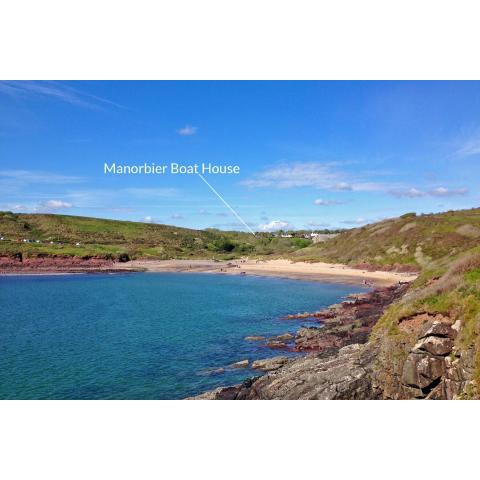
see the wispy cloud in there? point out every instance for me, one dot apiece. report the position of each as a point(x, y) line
point(34, 90)
point(469, 147)
point(325, 203)
point(435, 192)
point(357, 221)
point(326, 176)
point(187, 130)
point(409, 193)
point(42, 207)
point(314, 225)
point(176, 216)
point(55, 204)
point(446, 192)
point(33, 177)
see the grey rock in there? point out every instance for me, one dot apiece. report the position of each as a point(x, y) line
point(270, 364)
point(434, 345)
point(240, 364)
point(440, 329)
point(422, 370)
point(285, 337)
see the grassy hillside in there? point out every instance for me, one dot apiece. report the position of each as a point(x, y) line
point(408, 240)
point(59, 234)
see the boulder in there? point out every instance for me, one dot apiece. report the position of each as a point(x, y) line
point(422, 370)
point(440, 329)
point(270, 364)
point(434, 345)
point(276, 344)
point(254, 338)
point(240, 364)
point(285, 337)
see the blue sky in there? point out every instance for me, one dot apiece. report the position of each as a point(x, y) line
point(312, 154)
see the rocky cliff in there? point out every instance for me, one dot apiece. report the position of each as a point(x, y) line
point(417, 342)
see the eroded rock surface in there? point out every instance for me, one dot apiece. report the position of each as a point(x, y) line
point(346, 375)
point(270, 364)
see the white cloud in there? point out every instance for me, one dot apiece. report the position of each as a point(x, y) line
point(55, 204)
point(149, 219)
point(176, 216)
point(410, 193)
point(187, 130)
point(343, 186)
point(311, 174)
point(18, 208)
point(445, 192)
point(275, 225)
point(325, 203)
point(436, 192)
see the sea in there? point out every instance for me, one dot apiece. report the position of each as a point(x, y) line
point(143, 335)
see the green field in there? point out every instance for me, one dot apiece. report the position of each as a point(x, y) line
point(59, 234)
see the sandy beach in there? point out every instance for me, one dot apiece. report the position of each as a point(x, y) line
point(322, 272)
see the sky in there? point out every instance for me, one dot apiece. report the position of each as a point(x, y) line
point(312, 155)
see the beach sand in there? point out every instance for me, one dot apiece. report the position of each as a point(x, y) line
point(321, 272)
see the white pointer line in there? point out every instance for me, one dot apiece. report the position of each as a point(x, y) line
point(227, 205)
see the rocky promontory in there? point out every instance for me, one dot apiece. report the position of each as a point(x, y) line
point(337, 364)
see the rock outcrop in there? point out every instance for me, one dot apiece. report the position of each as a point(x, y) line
point(338, 364)
point(269, 364)
point(433, 368)
point(419, 356)
point(348, 322)
point(346, 375)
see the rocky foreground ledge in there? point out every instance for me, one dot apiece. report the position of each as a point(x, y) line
point(422, 356)
point(338, 363)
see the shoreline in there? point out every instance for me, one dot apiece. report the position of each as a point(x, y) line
point(334, 358)
point(315, 272)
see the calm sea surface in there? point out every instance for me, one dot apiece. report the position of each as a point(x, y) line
point(141, 336)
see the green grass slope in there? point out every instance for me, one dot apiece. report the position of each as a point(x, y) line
point(409, 240)
point(59, 234)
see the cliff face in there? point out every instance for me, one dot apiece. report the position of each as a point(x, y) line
point(429, 365)
point(428, 342)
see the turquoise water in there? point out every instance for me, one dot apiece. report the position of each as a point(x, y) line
point(140, 336)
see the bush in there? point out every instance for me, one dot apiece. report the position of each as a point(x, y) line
point(221, 245)
point(123, 258)
point(301, 242)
